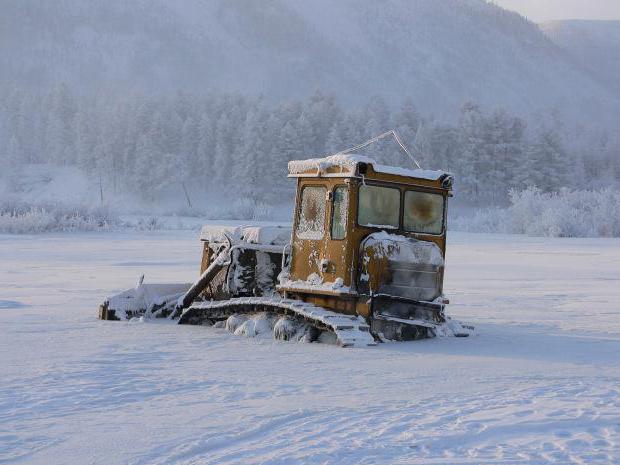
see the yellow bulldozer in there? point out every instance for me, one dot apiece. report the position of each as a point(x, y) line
point(362, 263)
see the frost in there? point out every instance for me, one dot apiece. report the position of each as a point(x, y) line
point(311, 223)
point(563, 214)
point(19, 217)
point(264, 271)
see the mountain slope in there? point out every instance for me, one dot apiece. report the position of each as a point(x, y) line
point(593, 44)
point(441, 53)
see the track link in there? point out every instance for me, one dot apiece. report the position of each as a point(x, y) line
point(350, 330)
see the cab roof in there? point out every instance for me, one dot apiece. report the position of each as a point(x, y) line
point(347, 165)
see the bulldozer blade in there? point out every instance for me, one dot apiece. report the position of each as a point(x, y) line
point(158, 300)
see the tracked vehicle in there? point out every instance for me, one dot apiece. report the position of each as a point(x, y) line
point(363, 262)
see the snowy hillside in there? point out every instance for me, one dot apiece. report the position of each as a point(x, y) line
point(593, 44)
point(194, 108)
point(438, 52)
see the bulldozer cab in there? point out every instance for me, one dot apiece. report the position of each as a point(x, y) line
point(350, 215)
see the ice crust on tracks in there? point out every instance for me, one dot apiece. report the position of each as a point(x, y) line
point(539, 383)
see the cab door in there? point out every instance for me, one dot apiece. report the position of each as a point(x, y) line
point(309, 232)
point(319, 252)
point(335, 252)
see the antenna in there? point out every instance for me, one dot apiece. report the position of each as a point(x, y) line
point(391, 132)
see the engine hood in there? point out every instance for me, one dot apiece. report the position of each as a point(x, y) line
point(400, 266)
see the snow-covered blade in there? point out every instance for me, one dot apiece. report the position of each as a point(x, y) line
point(142, 300)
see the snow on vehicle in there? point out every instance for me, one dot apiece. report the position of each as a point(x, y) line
point(363, 262)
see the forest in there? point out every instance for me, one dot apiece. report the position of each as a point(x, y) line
point(240, 145)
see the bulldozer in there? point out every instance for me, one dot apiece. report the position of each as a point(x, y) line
point(362, 263)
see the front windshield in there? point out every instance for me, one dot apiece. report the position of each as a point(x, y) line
point(424, 212)
point(379, 207)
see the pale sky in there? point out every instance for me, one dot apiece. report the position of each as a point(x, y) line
point(544, 10)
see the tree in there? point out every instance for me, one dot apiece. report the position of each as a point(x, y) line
point(60, 140)
point(188, 148)
point(471, 141)
point(206, 147)
point(12, 164)
point(548, 161)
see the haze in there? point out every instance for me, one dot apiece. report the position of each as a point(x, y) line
point(545, 10)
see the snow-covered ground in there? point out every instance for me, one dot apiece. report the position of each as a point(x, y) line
point(540, 383)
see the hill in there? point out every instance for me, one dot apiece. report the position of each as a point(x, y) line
point(438, 53)
point(595, 45)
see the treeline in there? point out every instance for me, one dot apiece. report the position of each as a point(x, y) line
point(240, 145)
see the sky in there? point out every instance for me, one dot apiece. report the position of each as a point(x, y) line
point(544, 10)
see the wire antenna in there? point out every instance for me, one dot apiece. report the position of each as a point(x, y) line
point(391, 132)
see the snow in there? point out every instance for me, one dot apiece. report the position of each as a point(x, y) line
point(274, 235)
point(144, 296)
point(350, 330)
point(347, 163)
point(539, 383)
point(218, 233)
point(64, 184)
point(314, 282)
point(49, 198)
point(268, 235)
point(404, 249)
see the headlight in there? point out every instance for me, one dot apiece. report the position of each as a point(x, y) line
point(447, 181)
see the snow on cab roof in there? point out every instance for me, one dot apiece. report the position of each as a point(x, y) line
point(348, 163)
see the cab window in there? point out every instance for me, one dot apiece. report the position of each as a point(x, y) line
point(340, 207)
point(379, 207)
point(311, 220)
point(424, 212)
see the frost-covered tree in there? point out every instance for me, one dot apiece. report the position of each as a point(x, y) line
point(548, 161)
point(235, 143)
point(471, 142)
point(188, 149)
point(12, 164)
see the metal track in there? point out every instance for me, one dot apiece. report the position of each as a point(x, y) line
point(350, 330)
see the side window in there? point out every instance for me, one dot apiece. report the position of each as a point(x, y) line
point(379, 207)
point(311, 221)
point(340, 206)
